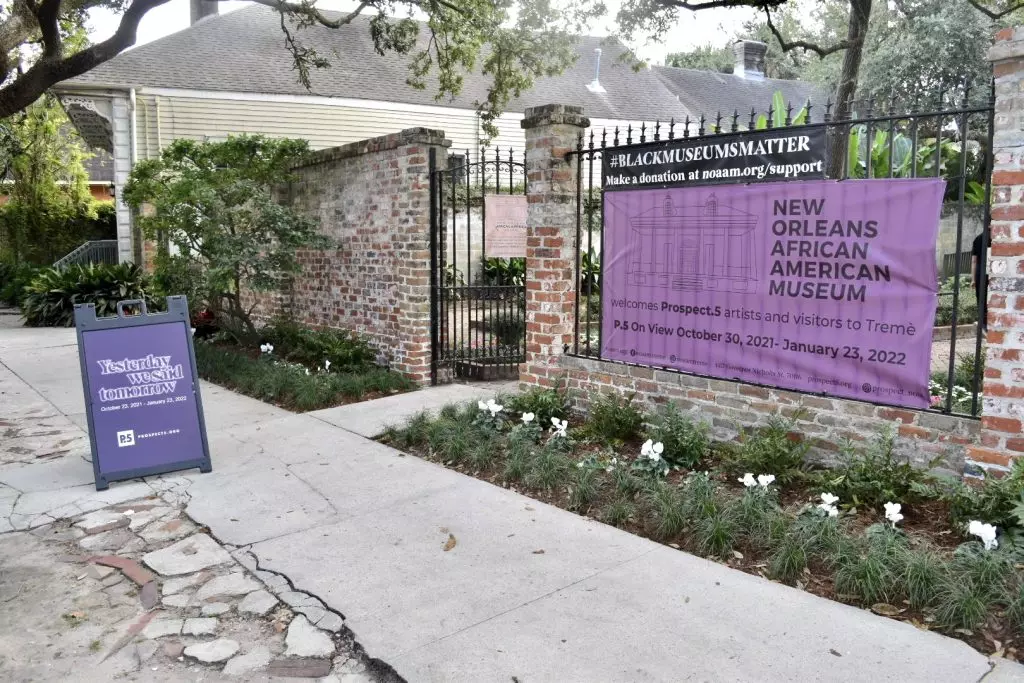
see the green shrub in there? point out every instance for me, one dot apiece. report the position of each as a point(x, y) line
point(548, 468)
point(998, 501)
point(967, 303)
point(289, 385)
point(769, 450)
point(686, 442)
point(14, 278)
point(614, 418)
point(543, 403)
point(963, 374)
point(51, 297)
point(873, 475)
point(344, 349)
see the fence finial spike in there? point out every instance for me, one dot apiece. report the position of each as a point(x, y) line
point(808, 106)
point(657, 131)
point(672, 128)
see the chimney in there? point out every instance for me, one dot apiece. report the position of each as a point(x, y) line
point(595, 85)
point(749, 59)
point(200, 9)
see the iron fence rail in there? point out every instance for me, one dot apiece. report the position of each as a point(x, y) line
point(96, 251)
point(947, 139)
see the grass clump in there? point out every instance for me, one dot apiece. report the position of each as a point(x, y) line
point(922, 573)
point(618, 511)
point(584, 488)
point(667, 503)
point(686, 442)
point(615, 419)
point(548, 468)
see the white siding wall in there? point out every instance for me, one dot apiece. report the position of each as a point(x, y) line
point(165, 115)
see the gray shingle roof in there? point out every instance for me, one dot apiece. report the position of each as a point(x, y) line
point(710, 92)
point(243, 51)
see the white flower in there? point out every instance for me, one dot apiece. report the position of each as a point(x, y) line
point(558, 427)
point(892, 513)
point(828, 504)
point(193, 331)
point(652, 450)
point(327, 365)
point(266, 348)
point(307, 371)
point(986, 532)
point(493, 407)
point(748, 480)
point(765, 480)
point(481, 405)
point(528, 418)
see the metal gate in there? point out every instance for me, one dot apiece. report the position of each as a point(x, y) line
point(478, 301)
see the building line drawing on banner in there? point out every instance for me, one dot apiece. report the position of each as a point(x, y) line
point(693, 248)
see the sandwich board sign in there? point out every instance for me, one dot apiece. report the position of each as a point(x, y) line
point(142, 399)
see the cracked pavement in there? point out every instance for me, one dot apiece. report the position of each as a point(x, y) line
point(345, 526)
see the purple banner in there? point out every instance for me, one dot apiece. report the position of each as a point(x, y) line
point(819, 286)
point(144, 408)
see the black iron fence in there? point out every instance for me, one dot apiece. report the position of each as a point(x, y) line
point(478, 302)
point(866, 139)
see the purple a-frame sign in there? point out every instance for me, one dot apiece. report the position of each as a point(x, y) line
point(142, 398)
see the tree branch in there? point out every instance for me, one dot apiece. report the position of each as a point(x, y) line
point(48, 15)
point(786, 46)
point(696, 6)
point(49, 70)
point(997, 14)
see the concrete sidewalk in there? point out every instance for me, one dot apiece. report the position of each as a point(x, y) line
point(363, 526)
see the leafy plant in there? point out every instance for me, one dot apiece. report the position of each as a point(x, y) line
point(215, 203)
point(614, 418)
point(542, 402)
point(998, 500)
point(504, 272)
point(873, 475)
point(686, 442)
point(49, 300)
point(14, 278)
point(769, 450)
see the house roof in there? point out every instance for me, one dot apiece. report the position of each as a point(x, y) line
point(711, 92)
point(244, 51)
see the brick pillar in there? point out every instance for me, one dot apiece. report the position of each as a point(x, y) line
point(1002, 434)
point(551, 184)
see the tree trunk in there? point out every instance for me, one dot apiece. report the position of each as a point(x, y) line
point(860, 14)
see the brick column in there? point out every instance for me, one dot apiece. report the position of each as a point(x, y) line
point(551, 184)
point(1002, 434)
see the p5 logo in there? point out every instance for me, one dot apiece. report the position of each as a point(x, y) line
point(126, 438)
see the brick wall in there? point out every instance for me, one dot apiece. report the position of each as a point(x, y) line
point(963, 445)
point(1002, 436)
point(373, 199)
